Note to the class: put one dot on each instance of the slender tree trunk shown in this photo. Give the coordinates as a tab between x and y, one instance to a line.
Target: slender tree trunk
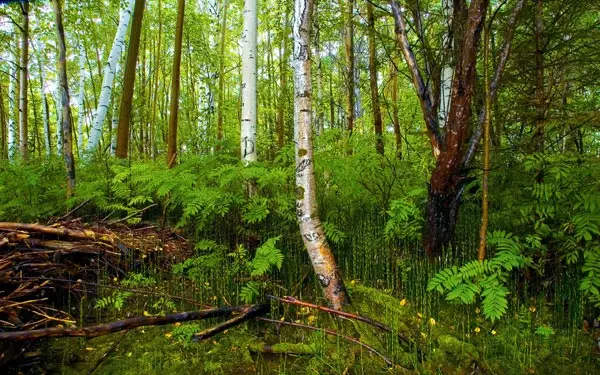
109	74
283	95
129	80
23	124
45	108
311	228
66	107
395	110
221	108
3	126
156	70
13	130
486	147
248	116
377	122
349	56
540	96
174	108
80	99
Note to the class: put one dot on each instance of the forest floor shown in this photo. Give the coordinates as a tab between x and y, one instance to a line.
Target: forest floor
79	274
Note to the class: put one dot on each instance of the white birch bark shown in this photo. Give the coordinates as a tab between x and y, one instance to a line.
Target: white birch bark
249	41
80	99
109	74
311	228
12	98
447	71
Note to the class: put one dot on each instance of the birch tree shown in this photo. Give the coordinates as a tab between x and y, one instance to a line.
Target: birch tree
307	214
13	131
109	74
67	136
23	124
248	125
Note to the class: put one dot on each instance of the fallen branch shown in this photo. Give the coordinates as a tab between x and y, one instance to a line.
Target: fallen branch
126	324
107	353
374	323
333	333
251	312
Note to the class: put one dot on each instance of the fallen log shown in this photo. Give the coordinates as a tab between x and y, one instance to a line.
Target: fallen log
247	311
79	234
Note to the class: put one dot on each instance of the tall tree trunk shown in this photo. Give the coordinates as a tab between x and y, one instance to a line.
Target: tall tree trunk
349	56
395	109
23	128
80	99
3	126
66	107
129	80
221	104
174	108
540	96
283	63
156	70
109	74
45	108
311	228
377	122
486	147
248	118
13	130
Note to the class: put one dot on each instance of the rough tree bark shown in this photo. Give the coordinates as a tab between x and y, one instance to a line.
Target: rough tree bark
453	150
282	102
311	229
174	108
67	136
248	123
540	96
394	106
377	122
23	124
109	74
129	80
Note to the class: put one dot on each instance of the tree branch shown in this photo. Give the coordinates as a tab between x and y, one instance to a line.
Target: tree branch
476	137
126	324
425	97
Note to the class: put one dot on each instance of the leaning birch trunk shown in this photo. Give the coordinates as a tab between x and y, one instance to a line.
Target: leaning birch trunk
12	96
311	228
248	126
109	74
23	125
67	138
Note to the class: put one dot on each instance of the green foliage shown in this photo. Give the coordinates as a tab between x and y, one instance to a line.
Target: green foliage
138	280
115	301
405	219
486	278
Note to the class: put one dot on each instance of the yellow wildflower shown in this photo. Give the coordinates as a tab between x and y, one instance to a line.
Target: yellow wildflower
532	309
403	302
168	335
494	333
477	330
431	321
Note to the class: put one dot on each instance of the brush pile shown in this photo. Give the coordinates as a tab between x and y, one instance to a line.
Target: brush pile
42	265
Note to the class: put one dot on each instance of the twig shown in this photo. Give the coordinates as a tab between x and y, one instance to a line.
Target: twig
383	327
60	232
137	212
333	333
251	312
107	353
126	324
72	211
